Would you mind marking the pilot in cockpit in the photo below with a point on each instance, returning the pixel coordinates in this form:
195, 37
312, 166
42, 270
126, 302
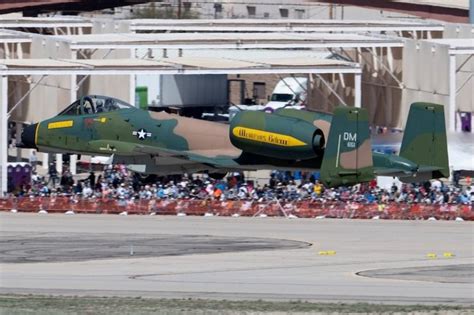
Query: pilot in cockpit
99, 106
110, 105
88, 106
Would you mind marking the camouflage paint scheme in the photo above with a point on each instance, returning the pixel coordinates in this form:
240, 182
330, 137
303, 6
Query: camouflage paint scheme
426, 132
348, 156
160, 143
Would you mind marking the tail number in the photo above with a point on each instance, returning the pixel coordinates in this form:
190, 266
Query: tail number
350, 139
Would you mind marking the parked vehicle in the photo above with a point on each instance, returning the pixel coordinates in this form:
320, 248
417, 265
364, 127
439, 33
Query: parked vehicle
289, 92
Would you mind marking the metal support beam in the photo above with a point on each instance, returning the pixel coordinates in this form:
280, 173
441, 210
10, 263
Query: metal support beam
19, 50
380, 62
326, 83
390, 59
452, 93
359, 57
464, 83
174, 70
358, 90
26, 95
7, 50
471, 11
3, 135
463, 63
238, 44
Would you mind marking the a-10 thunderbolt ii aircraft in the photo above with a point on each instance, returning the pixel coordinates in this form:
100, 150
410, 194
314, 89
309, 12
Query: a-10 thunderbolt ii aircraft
337, 144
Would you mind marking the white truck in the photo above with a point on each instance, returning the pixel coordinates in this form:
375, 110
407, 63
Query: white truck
289, 92
189, 95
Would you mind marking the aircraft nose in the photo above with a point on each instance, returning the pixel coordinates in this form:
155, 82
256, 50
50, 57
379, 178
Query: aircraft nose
28, 137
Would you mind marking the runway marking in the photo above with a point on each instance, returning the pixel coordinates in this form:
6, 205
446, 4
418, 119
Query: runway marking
325, 264
451, 273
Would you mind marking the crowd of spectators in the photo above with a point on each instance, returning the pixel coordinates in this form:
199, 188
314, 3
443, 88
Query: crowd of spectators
116, 182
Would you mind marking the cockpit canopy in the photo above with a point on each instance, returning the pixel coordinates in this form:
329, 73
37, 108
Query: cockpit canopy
95, 104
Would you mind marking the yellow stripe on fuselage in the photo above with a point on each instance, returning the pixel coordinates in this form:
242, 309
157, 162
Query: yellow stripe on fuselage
61, 124
267, 137
36, 133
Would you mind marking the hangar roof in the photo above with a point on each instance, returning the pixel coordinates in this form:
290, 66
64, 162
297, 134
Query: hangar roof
231, 25
7, 37
44, 22
457, 46
460, 4
226, 40
180, 65
280, 25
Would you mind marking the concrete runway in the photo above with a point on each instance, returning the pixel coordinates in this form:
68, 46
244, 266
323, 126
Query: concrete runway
237, 258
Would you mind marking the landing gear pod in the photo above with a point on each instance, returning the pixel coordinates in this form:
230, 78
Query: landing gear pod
276, 136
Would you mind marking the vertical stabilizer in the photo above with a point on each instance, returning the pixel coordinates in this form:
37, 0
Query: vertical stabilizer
347, 158
424, 140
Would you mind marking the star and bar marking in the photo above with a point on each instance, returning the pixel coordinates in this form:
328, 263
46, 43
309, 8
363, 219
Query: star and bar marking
141, 134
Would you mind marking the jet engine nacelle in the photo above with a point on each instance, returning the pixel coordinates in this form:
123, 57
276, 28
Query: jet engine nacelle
276, 136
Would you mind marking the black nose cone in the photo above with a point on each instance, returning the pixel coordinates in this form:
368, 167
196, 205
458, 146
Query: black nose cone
28, 137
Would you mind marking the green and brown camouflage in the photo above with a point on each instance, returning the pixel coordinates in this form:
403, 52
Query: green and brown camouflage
160, 143
348, 155
424, 141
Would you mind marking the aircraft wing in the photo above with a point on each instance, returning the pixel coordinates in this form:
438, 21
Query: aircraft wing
205, 157
131, 149
385, 171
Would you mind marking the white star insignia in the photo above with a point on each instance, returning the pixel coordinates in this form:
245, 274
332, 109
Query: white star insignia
141, 134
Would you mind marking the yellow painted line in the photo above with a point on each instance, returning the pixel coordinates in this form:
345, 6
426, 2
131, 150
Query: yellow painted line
266, 137
448, 254
36, 134
327, 252
61, 124
431, 255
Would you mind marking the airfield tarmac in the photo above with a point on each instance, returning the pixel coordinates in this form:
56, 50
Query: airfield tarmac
238, 258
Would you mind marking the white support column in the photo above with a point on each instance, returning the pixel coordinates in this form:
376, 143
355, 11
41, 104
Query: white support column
73, 164
72, 98
358, 90
452, 94
132, 81
59, 163
132, 90
3, 136
19, 51
45, 164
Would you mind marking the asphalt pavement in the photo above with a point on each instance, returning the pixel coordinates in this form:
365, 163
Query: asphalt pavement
238, 258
